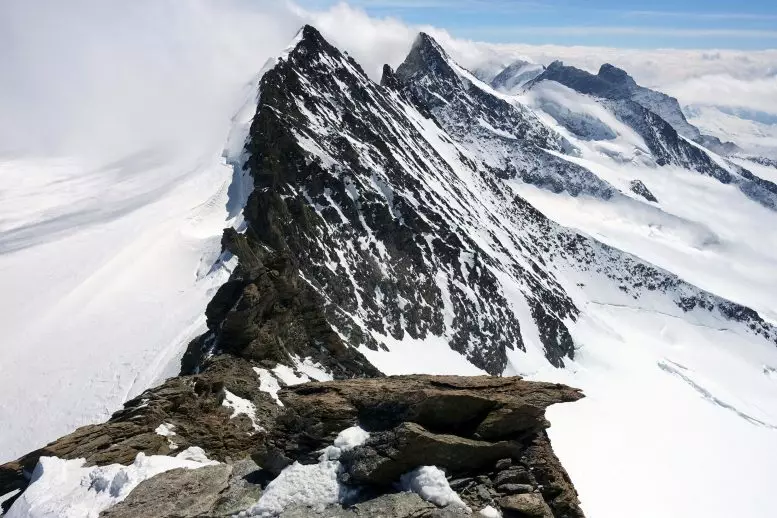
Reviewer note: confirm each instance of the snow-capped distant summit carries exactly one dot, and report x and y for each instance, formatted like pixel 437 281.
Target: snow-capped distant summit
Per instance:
pixel 514 76
pixel 614 83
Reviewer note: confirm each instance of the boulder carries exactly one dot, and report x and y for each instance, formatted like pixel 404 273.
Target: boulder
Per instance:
pixel 391 505
pixel 179 493
pixel 387 455
pixel 529 505
pixel 243 489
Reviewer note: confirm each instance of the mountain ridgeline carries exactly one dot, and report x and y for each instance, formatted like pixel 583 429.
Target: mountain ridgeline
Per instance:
pixel 385 219
pixel 394 202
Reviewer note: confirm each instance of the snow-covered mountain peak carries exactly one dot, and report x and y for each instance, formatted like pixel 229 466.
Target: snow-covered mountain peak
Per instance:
pixel 513 77
pixel 616 84
pixel 426 62
pixel 609 85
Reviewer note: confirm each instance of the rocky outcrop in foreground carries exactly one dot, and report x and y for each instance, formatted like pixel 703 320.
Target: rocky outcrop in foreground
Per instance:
pixel 486 433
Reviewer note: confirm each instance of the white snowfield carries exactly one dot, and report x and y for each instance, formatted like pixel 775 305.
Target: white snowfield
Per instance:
pixel 675 402
pixel 106 271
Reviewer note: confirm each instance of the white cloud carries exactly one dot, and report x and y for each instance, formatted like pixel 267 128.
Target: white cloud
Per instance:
pixel 724 90
pixel 106 78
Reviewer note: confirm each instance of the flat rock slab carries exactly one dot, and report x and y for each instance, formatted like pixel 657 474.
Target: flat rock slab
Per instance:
pixel 529 505
pixel 179 493
pixel 387 455
pixel 484 406
pixel 393 505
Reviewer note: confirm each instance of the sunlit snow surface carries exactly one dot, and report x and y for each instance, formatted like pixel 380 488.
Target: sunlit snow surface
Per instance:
pixel 677 409
pixel 314 485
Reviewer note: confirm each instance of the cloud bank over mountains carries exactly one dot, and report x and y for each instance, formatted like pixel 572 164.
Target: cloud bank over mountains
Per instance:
pixel 102 79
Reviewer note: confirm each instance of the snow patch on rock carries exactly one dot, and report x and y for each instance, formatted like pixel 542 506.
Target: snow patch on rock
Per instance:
pixel 313 485
pixel 268 383
pixel 68 489
pixel 166 430
pixel 490 512
pixel 241 406
pixel 430 483
pixel 287 375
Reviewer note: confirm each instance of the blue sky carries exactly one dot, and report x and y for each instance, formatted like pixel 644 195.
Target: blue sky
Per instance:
pixel 748 24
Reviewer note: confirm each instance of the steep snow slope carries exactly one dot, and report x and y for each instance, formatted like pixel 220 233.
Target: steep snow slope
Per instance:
pixel 684 227
pixel 665 395
pixel 106 271
pixel 122 275
pixel 399 202
pixel 755 135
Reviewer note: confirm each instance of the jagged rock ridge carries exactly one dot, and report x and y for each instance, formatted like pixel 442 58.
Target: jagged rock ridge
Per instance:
pixel 659 120
pixel 395 201
pixel 384 213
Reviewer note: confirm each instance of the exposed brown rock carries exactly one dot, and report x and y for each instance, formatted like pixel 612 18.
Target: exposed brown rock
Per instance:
pixel 179 493
pixel 557 488
pixel 388 455
pixel 486 432
pixel 529 505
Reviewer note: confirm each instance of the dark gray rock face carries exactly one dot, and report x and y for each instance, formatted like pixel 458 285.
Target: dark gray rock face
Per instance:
pixel 637 187
pixel 506 137
pixel 615 84
pixel 267 313
pixel 606 84
pixel 379 224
